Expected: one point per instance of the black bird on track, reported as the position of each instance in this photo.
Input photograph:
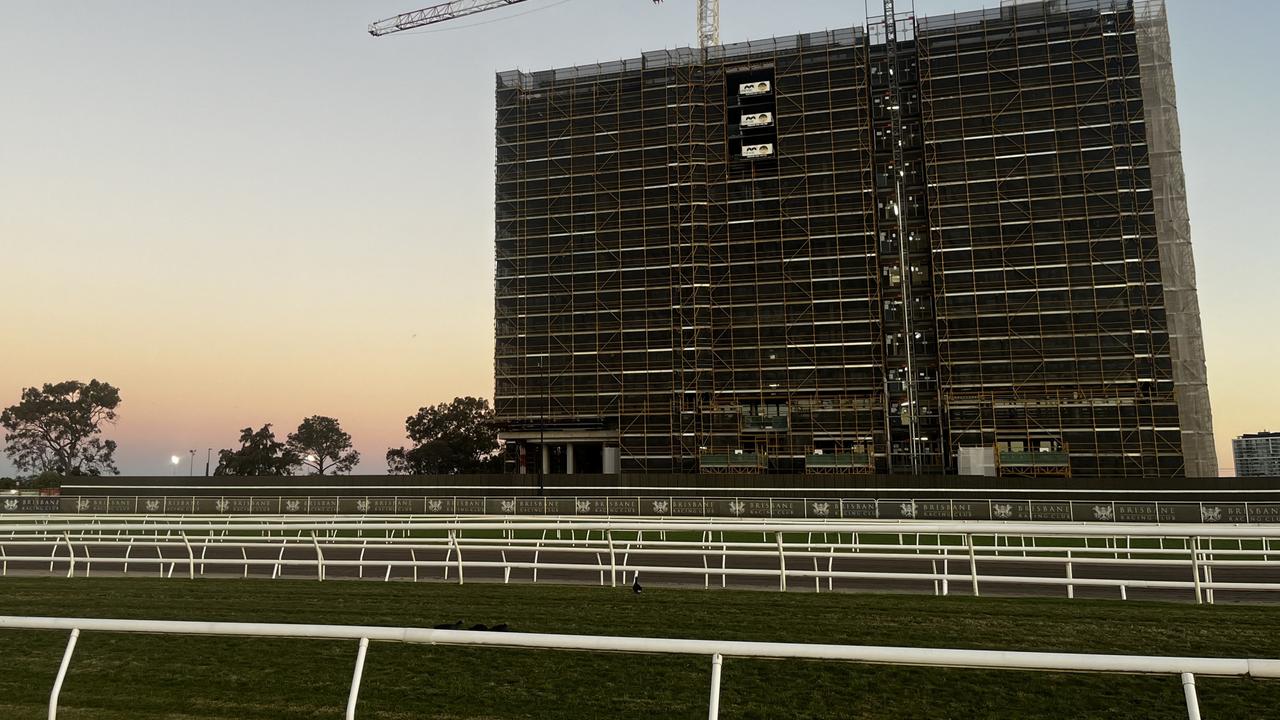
(635, 586)
(500, 627)
(449, 626)
(479, 626)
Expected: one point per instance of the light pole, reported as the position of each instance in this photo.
(174, 460)
(191, 466)
(208, 455)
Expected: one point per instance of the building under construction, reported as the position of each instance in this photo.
(943, 244)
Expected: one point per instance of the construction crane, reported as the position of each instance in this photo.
(708, 17)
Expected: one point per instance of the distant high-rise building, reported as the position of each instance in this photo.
(1257, 455)
(855, 251)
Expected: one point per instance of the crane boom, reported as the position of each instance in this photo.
(708, 17)
(435, 14)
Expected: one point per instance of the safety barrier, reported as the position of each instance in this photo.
(917, 555)
(717, 650)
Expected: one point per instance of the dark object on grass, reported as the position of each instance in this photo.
(449, 626)
(479, 626)
(635, 586)
(500, 627)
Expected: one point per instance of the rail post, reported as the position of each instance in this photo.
(831, 562)
(1189, 690)
(355, 679)
(706, 565)
(1193, 544)
(1071, 588)
(973, 565)
(946, 570)
(537, 552)
(191, 558)
(613, 560)
(724, 561)
(453, 540)
(1208, 573)
(62, 673)
(284, 542)
(713, 709)
(71, 557)
(782, 564)
(319, 556)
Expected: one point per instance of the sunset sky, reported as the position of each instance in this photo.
(244, 212)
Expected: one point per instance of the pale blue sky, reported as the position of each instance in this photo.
(243, 212)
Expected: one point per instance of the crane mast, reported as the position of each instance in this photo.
(708, 17)
(708, 23)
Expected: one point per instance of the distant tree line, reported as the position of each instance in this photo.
(318, 447)
(55, 431)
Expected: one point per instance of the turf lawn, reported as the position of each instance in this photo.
(132, 677)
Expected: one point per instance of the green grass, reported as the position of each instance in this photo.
(139, 677)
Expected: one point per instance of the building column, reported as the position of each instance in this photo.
(568, 458)
(546, 459)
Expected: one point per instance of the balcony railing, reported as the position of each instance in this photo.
(838, 462)
(732, 462)
(762, 423)
(1035, 459)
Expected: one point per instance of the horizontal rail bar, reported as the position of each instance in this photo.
(1030, 555)
(923, 657)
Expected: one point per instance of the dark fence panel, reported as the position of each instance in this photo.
(998, 507)
(1137, 490)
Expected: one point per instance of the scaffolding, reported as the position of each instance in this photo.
(857, 250)
(1173, 228)
(715, 311)
(1051, 285)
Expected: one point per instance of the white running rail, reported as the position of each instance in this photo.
(1185, 667)
(935, 555)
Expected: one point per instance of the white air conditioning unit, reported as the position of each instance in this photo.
(760, 87)
(752, 120)
(757, 151)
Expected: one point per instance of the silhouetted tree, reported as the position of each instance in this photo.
(259, 454)
(45, 480)
(323, 447)
(55, 428)
(448, 439)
